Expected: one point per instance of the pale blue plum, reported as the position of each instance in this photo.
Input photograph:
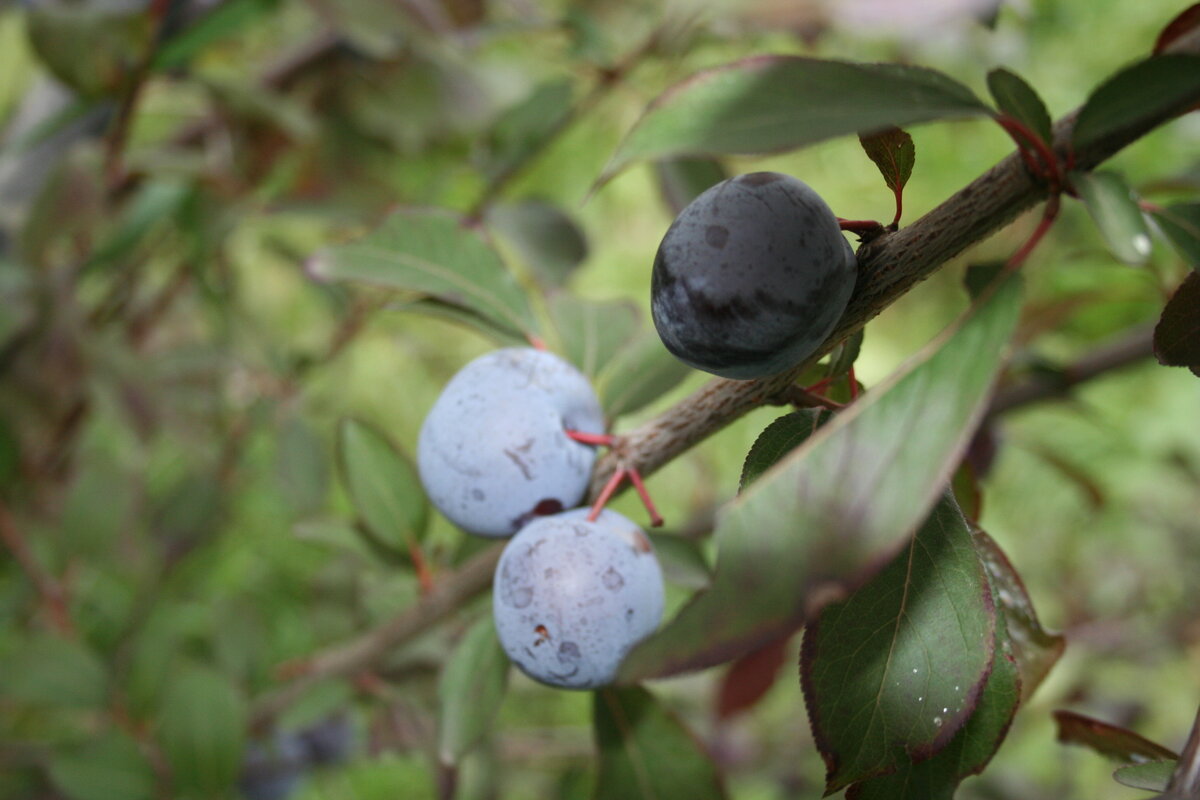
(493, 454)
(751, 277)
(571, 597)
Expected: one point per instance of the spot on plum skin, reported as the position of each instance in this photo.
(612, 579)
(716, 236)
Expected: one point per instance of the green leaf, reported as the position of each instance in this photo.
(1177, 334)
(638, 375)
(301, 467)
(1018, 99)
(1034, 649)
(891, 673)
(1111, 741)
(893, 151)
(682, 560)
(383, 486)
(771, 103)
(432, 253)
(156, 201)
(1116, 213)
(967, 753)
(979, 277)
(1180, 223)
(681, 180)
(1165, 84)
(842, 357)
(501, 335)
(1152, 776)
(863, 483)
(111, 767)
(471, 688)
(645, 753)
(225, 20)
(523, 128)
(51, 671)
(92, 49)
(778, 439)
(544, 236)
(592, 332)
(201, 728)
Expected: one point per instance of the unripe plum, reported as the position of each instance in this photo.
(572, 597)
(492, 453)
(751, 277)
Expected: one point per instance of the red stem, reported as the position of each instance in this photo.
(597, 439)
(899, 192)
(859, 225)
(1048, 216)
(1026, 139)
(606, 493)
(635, 477)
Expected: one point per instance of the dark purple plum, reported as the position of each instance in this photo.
(751, 277)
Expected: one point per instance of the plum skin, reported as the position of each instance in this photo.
(492, 452)
(751, 277)
(571, 597)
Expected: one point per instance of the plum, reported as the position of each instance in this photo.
(493, 454)
(751, 277)
(572, 597)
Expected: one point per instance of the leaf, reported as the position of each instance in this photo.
(301, 467)
(645, 753)
(768, 104)
(682, 560)
(156, 201)
(967, 753)
(1110, 741)
(90, 49)
(592, 332)
(51, 671)
(748, 679)
(1180, 223)
(1018, 99)
(979, 277)
(1152, 776)
(432, 252)
(105, 769)
(470, 690)
(1177, 334)
(681, 180)
(893, 152)
(1164, 84)
(778, 439)
(545, 237)
(861, 484)
(225, 20)
(891, 673)
(500, 335)
(524, 127)
(842, 357)
(1186, 22)
(383, 486)
(638, 375)
(1116, 213)
(201, 728)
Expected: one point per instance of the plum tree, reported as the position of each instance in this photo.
(493, 452)
(571, 597)
(751, 277)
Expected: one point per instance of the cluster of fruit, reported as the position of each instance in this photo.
(573, 591)
(749, 280)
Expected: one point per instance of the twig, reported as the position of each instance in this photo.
(1185, 782)
(450, 593)
(1128, 349)
(889, 266)
(48, 589)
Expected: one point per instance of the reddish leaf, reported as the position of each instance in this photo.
(750, 678)
(1108, 740)
(893, 152)
(1177, 335)
(1187, 21)
(1034, 649)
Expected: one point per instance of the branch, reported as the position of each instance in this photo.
(1185, 782)
(889, 266)
(52, 595)
(1128, 349)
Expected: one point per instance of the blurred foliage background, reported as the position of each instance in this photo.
(173, 378)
